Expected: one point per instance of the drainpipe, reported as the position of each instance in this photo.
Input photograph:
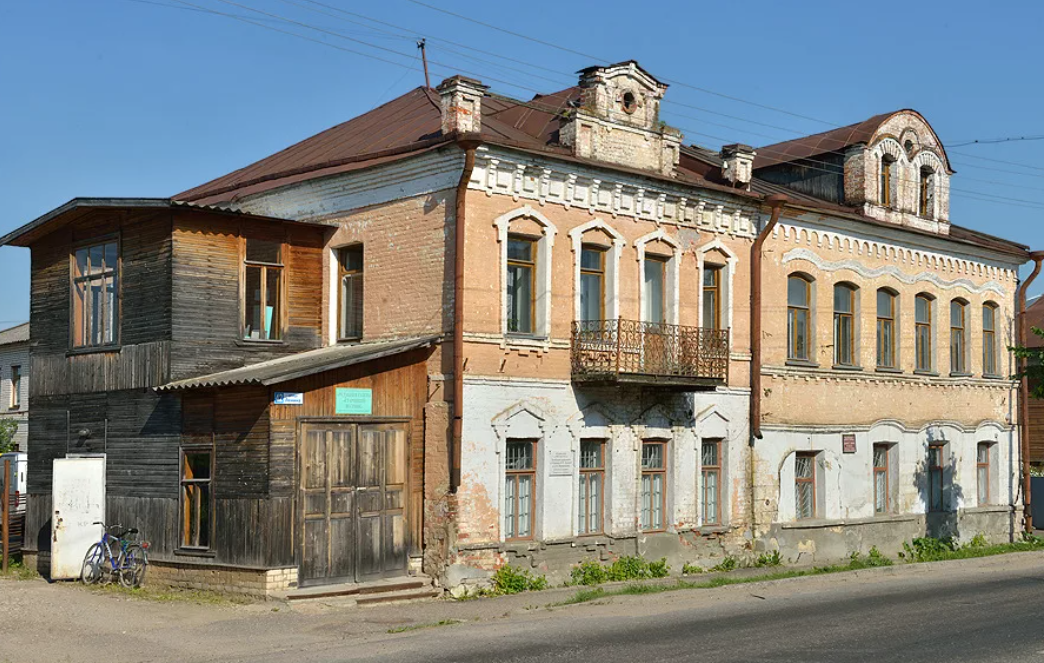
(776, 202)
(1020, 340)
(469, 143)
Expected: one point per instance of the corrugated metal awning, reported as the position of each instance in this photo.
(302, 364)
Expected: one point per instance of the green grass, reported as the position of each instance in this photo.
(17, 570)
(417, 627)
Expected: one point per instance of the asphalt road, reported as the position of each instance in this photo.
(973, 610)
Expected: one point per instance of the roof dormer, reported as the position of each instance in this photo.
(618, 119)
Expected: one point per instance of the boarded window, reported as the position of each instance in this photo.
(654, 483)
(592, 486)
(95, 310)
(263, 291)
(711, 470)
(350, 268)
(519, 489)
(196, 504)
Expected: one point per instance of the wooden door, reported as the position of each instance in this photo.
(353, 496)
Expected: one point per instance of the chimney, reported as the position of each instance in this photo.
(737, 164)
(461, 105)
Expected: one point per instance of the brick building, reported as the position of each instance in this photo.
(564, 287)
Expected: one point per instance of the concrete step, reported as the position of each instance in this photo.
(398, 597)
(354, 589)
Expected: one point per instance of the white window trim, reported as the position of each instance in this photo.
(612, 271)
(533, 425)
(731, 260)
(543, 276)
(673, 271)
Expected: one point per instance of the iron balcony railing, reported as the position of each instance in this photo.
(649, 352)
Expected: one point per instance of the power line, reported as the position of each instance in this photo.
(990, 141)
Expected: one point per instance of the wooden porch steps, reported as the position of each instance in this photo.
(370, 593)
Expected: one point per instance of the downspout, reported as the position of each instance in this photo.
(1020, 340)
(776, 202)
(469, 143)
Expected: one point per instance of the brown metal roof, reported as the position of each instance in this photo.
(821, 143)
(302, 364)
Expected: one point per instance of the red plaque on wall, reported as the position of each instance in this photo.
(848, 444)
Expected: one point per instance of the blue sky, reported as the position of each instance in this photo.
(151, 97)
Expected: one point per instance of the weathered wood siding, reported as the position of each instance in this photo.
(207, 293)
(821, 177)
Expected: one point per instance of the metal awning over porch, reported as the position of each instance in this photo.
(302, 364)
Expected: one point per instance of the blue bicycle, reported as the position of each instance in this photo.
(117, 554)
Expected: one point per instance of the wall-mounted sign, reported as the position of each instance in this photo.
(848, 444)
(289, 398)
(354, 401)
(561, 463)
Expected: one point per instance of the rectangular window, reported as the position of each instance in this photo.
(886, 181)
(196, 504)
(710, 461)
(655, 271)
(923, 332)
(16, 387)
(592, 485)
(519, 489)
(935, 478)
(957, 345)
(926, 193)
(592, 283)
(989, 339)
(263, 305)
(521, 279)
(881, 478)
(654, 482)
(982, 472)
(712, 296)
(350, 271)
(805, 484)
(95, 309)
(885, 329)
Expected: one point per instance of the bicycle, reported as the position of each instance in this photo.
(128, 564)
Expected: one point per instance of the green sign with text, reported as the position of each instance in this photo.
(354, 401)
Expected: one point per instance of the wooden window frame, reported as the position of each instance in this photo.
(959, 334)
(532, 264)
(74, 280)
(704, 471)
(990, 366)
(886, 180)
(514, 475)
(15, 402)
(940, 469)
(813, 456)
(662, 471)
(891, 322)
(600, 273)
(209, 483)
(924, 363)
(979, 467)
(882, 469)
(586, 474)
(840, 317)
(715, 289)
(926, 184)
(793, 311)
(662, 261)
(342, 273)
(281, 266)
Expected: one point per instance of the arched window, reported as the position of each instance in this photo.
(927, 192)
(989, 339)
(799, 317)
(844, 324)
(923, 331)
(958, 336)
(887, 165)
(886, 328)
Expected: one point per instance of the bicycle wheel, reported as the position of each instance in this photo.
(92, 571)
(132, 566)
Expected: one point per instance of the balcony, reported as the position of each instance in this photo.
(649, 354)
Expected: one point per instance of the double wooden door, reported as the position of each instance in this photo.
(352, 502)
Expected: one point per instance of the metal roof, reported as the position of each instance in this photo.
(302, 364)
(16, 334)
(24, 235)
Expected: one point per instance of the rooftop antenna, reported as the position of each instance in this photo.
(424, 56)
